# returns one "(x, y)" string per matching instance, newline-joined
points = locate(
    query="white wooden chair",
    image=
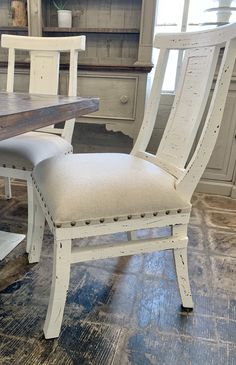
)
(97, 194)
(20, 154)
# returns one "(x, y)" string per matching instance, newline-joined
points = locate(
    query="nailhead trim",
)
(17, 168)
(30, 168)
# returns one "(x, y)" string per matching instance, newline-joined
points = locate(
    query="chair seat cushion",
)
(105, 186)
(27, 150)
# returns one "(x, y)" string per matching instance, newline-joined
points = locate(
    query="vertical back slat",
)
(188, 181)
(44, 76)
(44, 72)
(10, 70)
(189, 104)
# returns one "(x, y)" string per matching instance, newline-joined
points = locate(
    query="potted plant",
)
(64, 16)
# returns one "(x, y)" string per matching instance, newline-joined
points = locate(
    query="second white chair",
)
(19, 155)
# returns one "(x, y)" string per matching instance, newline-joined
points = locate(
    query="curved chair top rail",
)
(44, 43)
(44, 67)
(210, 37)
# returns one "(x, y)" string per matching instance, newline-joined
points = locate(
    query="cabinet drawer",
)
(21, 80)
(117, 95)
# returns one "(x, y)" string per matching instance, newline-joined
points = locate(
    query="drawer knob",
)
(124, 99)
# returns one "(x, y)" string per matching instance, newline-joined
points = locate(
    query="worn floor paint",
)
(124, 311)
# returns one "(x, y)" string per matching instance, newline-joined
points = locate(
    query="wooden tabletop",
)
(20, 113)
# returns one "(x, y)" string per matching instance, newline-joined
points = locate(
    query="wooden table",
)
(20, 113)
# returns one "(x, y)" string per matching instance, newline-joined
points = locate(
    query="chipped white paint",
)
(39, 221)
(60, 283)
(194, 86)
(188, 182)
(181, 265)
(188, 107)
(119, 249)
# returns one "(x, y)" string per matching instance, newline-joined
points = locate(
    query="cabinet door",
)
(222, 161)
(21, 80)
(4, 13)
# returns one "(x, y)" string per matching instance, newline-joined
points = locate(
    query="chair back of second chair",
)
(44, 68)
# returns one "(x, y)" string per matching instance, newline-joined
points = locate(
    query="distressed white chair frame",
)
(198, 69)
(44, 79)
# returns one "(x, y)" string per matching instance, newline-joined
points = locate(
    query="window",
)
(184, 15)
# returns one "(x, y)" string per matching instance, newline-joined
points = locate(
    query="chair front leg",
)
(181, 265)
(59, 288)
(35, 238)
(7, 188)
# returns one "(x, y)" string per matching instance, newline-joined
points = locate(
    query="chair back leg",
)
(7, 188)
(59, 288)
(30, 193)
(131, 235)
(35, 231)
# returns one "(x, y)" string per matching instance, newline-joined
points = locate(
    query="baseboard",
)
(233, 192)
(216, 187)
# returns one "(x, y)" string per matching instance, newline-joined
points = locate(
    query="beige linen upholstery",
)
(27, 150)
(105, 187)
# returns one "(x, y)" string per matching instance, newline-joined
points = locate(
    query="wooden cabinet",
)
(219, 176)
(117, 60)
(4, 13)
(122, 98)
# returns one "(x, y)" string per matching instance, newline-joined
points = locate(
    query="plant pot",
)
(19, 13)
(64, 18)
(223, 16)
(222, 3)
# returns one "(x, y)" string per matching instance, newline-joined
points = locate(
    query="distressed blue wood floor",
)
(124, 311)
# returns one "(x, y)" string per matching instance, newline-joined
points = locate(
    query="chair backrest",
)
(44, 67)
(199, 66)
